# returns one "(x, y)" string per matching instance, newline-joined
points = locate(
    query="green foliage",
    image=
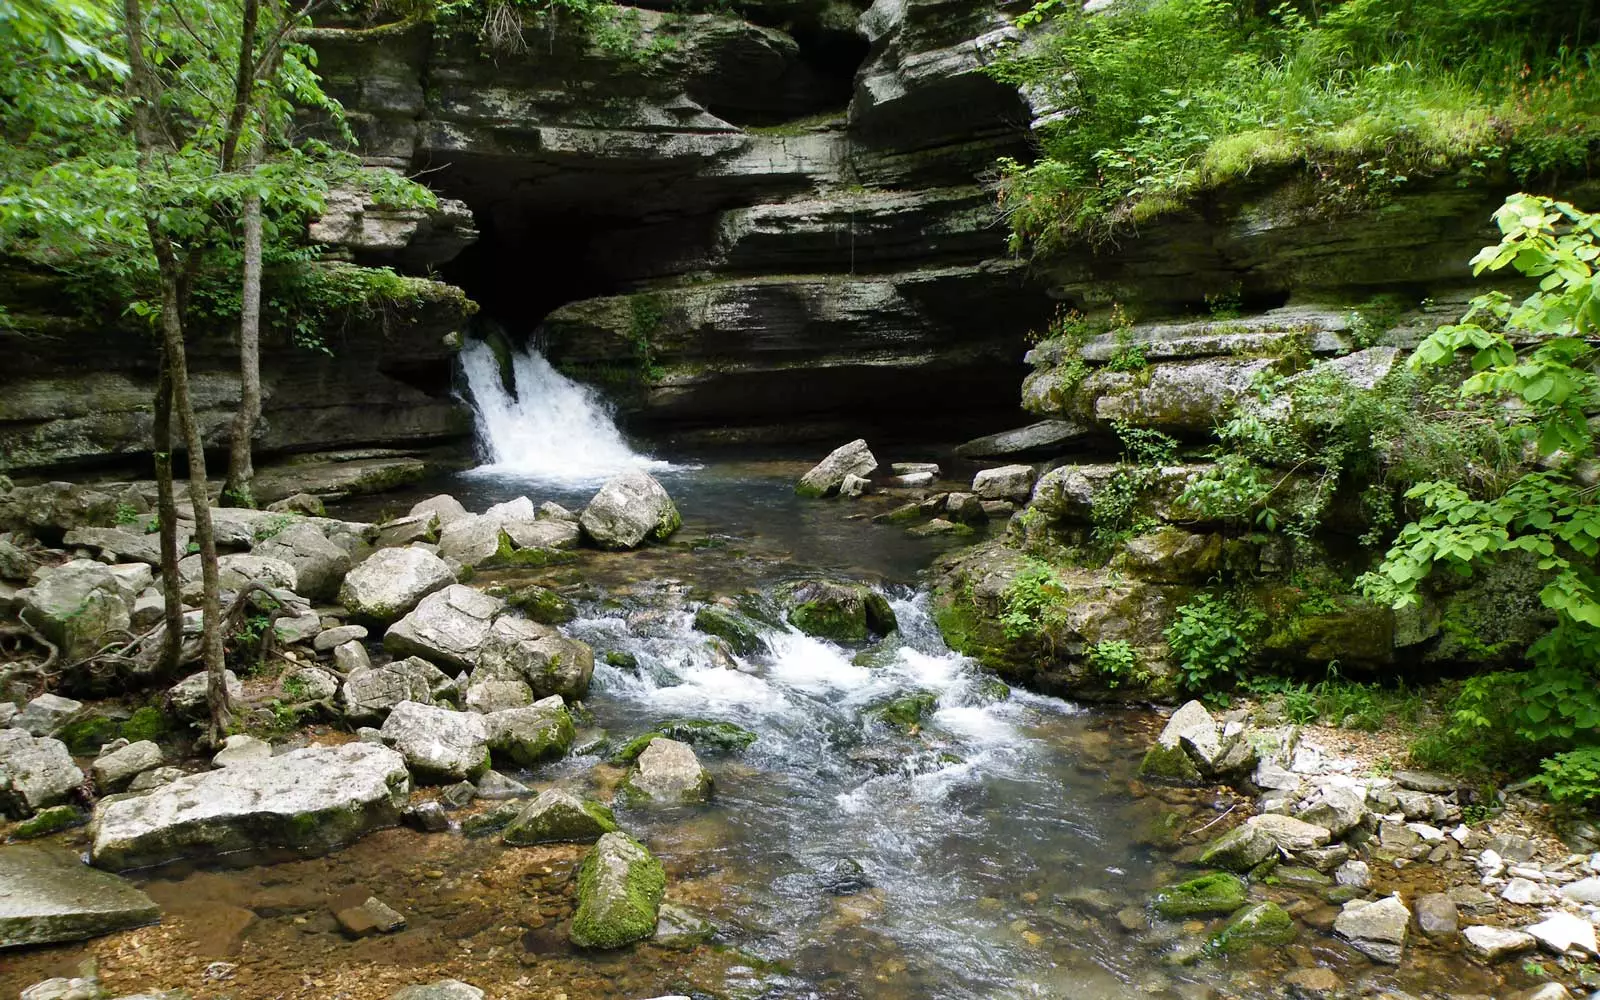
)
(503, 27)
(1213, 639)
(1031, 602)
(1572, 778)
(127, 513)
(645, 316)
(1159, 99)
(1117, 663)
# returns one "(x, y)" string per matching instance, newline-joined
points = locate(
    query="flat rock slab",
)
(313, 799)
(48, 895)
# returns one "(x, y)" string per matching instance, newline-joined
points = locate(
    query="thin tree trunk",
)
(167, 517)
(143, 89)
(237, 489)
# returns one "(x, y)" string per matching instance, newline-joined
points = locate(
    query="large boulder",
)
(843, 612)
(51, 896)
(531, 734)
(667, 773)
(1009, 482)
(392, 581)
(443, 508)
(853, 459)
(77, 603)
(447, 627)
(629, 509)
(620, 886)
(313, 799)
(319, 565)
(113, 771)
(558, 816)
(1376, 928)
(439, 746)
(35, 771)
(187, 698)
(548, 663)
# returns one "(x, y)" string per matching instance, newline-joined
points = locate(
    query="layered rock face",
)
(769, 224)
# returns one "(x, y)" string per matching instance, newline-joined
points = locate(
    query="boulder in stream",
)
(438, 745)
(392, 581)
(1376, 928)
(51, 896)
(853, 459)
(1261, 924)
(313, 799)
(843, 612)
(628, 510)
(370, 693)
(531, 734)
(1217, 894)
(667, 773)
(558, 816)
(620, 886)
(35, 771)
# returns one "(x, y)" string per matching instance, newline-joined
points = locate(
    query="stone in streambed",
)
(628, 510)
(50, 896)
(113, 771)
(1376, 928)
(667, 773)
(1263, 924)
(315, 798)
(620, 886)
(35, 772)
(373, 916)
(1217, 894)
(908, 711)
(1495, 943)
(843, 612)
(52, 819)
(825, 479)
(447, 627)
(531, 734)
(370, 693)
(437, 744)
(393, 581)
(1240, 849)
(444, 989)
(559, 816)
(740, 632)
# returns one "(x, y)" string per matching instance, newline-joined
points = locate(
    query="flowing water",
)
(1003, 851)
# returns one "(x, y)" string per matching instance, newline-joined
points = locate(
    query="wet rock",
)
(541, 604)
(1495, 943)
(1437, 916)
(855, 486)
(704, 734)
(1326, 859)
(444, 989)
(843, 612)
(1561, 932)
(551, 665)
(46, 714)
(428, 817)
(374, 916)
(531, 734)
(1353, 873)
(1375, 928)
(965, 508)
(320, 566)
(1009, 482)
(628, 510)
(370, 693)
(114, 771)
(35, 771)
(393, 581)
(447, 627)
(51, 819)
(437, 744)
(1217, 894)
(911, 480)
(1261, 924)
(908, 711)
(241, 749)
(1240, 849)
(667, 773)
(494, 695)
(311, 799)
(681, 928)
(619, 894)
(938, 526)
(1290, 834)
(559, 816)
(825, 479)
(742, 634)
(1315, 983)
(51, 896)
(843, 877)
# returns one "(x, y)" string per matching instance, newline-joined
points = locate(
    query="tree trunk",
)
(236, 491)
(167, 517)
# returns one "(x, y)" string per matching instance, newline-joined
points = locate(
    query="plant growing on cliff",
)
(1213, 639)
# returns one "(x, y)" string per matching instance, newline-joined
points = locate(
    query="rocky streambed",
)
(738, 761)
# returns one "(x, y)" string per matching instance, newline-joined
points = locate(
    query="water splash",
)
(551, 428)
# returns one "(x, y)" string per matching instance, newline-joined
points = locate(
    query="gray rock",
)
(444, 507)
(1043, 439)
(1513, 847)
(1586, 891)
(532, 734)
(444, 989)
(1424, 781)
(429, 817)
(619, 894)
(1549, 991)
(559, 816)
(494, 786)
(548, 533)
(628, 510)
(1560, 932)
(473, 540)
(392, 581)
(50, 896)
(1353, 873)
(237, 571)
(77, 603)
(35, 771)
(114, 771)
(1190, 733)
(1338, 808)
(403, 531)
(86, 987)
(297, 629)
(45, 714)
(187, 698)
(447, 627)
(241, 749)
(370, 693)
(965, 508)
(1240, 849)
(855, 486)
(373, 916)
(1291, 834)
(828, 476)
(550, 664)
(124, 543)
(1437, 916)
(1375, 928)
(320, 566)
(312, 799)
(1009, 482)
(1524, 892)
(308, 683)
(334, 637)
(348, 657)
(1496, 943)
(155, 778)
(494, 695)
(552, 511)
(439, 745)
(911, 480)
(667, 773)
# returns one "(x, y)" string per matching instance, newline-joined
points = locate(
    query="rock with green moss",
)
(842, 612)
(908, 710)
(558, 816)
(630, 751)
(47, 821)
(620, 886)
(1169, 764)
(853, 459)
(531, 734)
(1260, 925)
(1216, 894)
(1240, 849)
(147, 723)
(87, 733)
(740, 632)
(667, 773)
(542, 604)
(704, 734)
(629, 510)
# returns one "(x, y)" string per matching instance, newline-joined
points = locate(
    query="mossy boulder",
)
(739, 632)
(842, 612)
(87, 733)
(558, 816)
(620, 886)
(1216, 894)
(541, 604)
(1240, 849)
(906, 711)
(1263, 924)
(47, 821)
(531, 734)
(703, 734)
(630, 751)
(1169, 764)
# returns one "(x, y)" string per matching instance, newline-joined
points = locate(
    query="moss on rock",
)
(48, 821)
(907, 711)
(1169, 764)
(1264, 924)
(1216, 894)
(739, 632)
(620, 886)
(541, 604)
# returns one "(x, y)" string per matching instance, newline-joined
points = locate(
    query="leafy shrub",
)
(1213, 639)
(1031, 601)
(1116, 662)
(1572, 778)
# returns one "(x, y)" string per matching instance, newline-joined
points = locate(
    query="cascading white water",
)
(551, 428)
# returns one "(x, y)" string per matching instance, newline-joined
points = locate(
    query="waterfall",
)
(552, 427)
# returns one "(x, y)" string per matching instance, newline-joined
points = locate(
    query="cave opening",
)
(819, 82)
